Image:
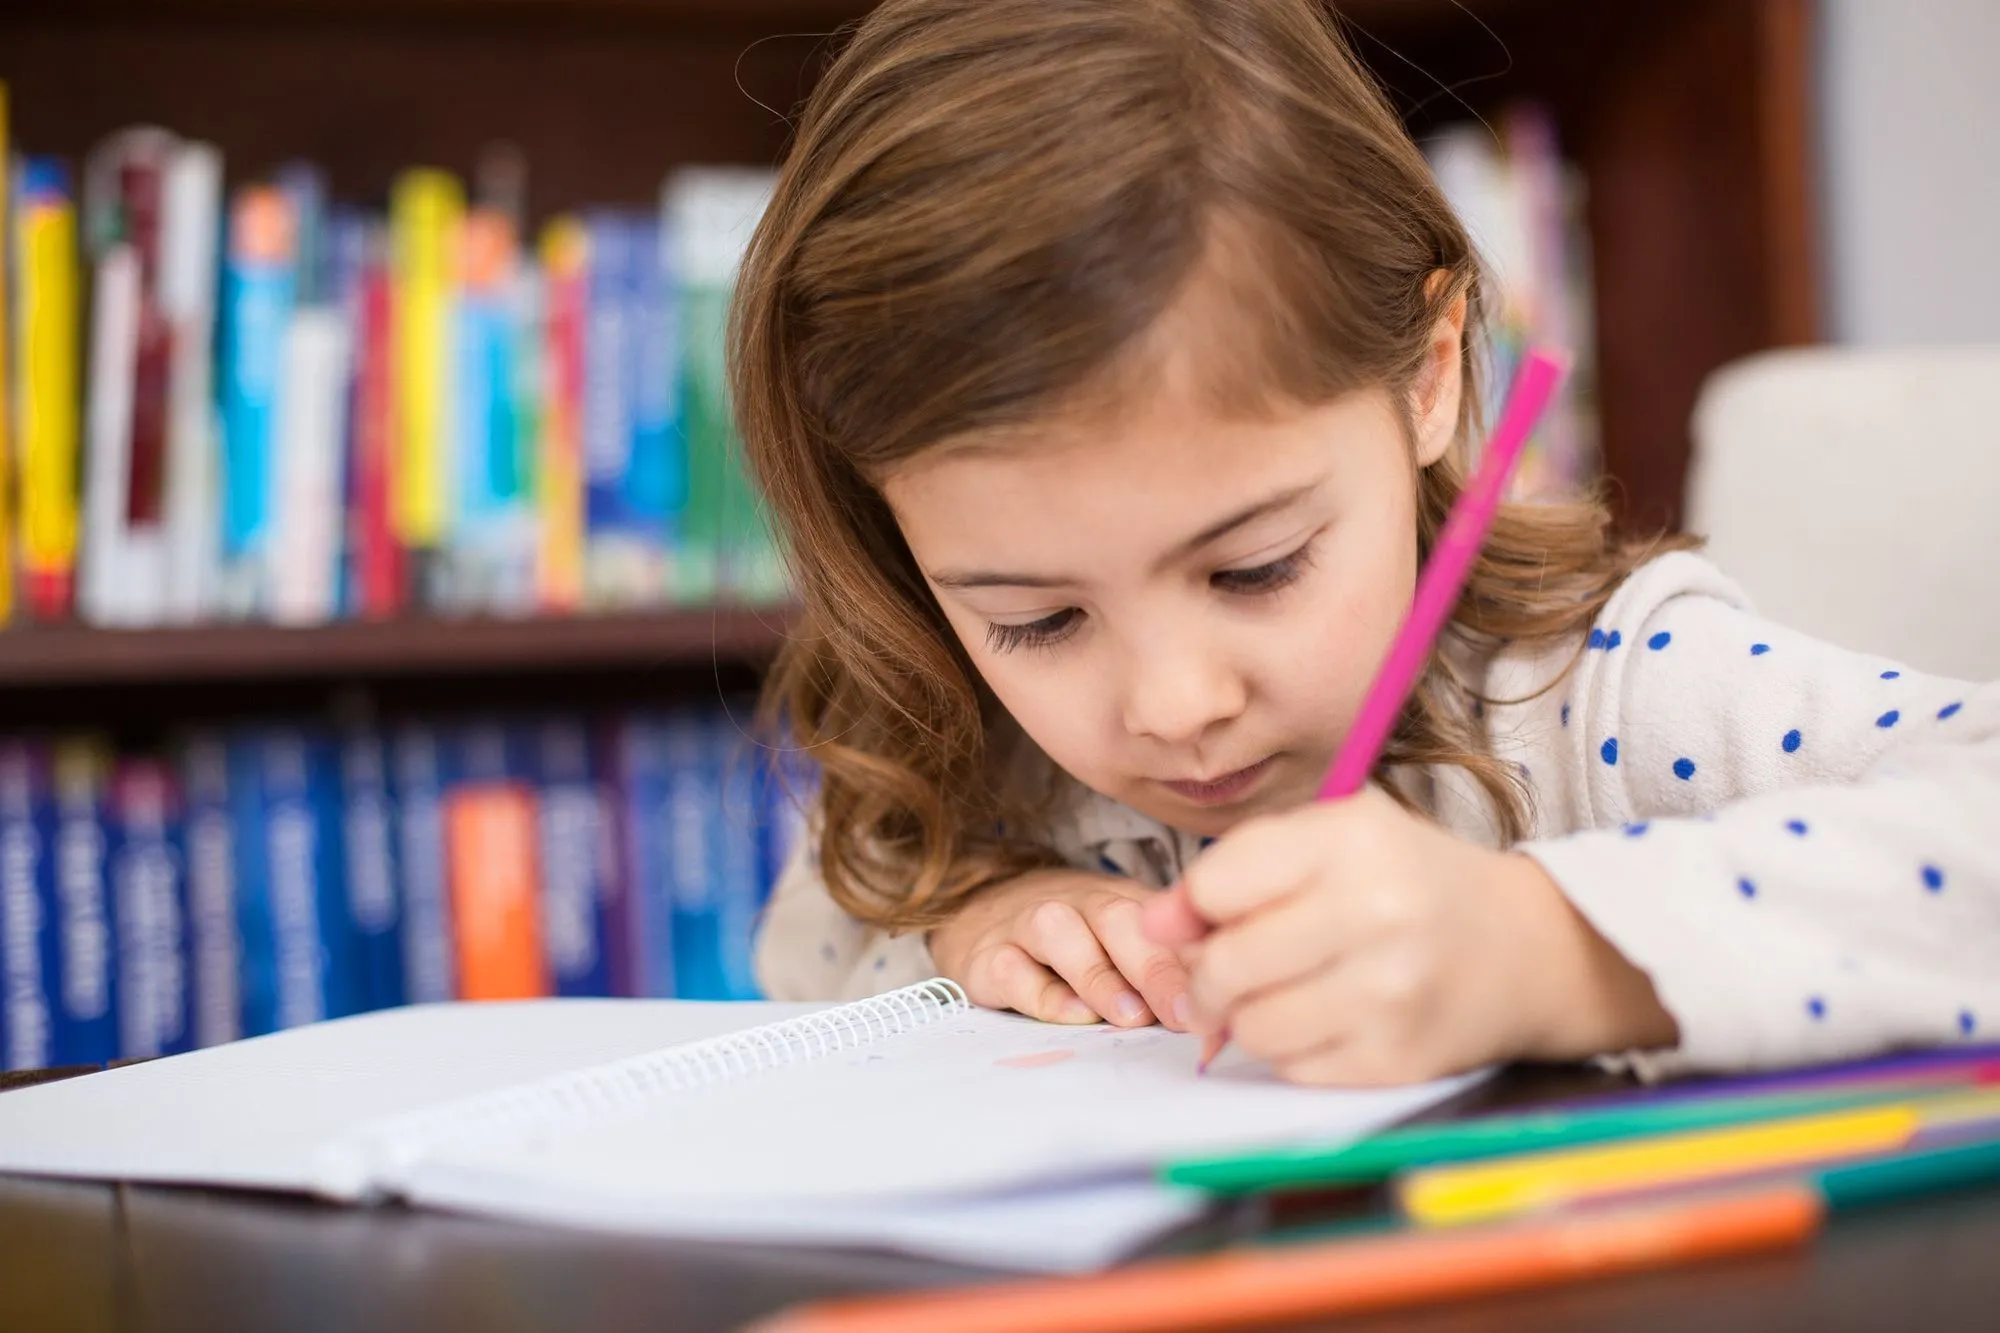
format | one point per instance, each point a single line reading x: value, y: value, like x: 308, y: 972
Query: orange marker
x: 1299, y: 1282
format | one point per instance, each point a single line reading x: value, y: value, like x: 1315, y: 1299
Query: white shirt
x: 1798, y: 844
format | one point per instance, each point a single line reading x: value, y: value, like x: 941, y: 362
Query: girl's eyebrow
x: 984, y: 578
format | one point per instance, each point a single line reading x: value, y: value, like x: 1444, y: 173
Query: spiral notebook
x: 913, y: 1119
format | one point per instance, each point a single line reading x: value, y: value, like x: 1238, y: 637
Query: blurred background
x: 368, y: 461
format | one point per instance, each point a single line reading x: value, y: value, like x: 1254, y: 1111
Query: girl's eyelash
x: 1266, y: 577
x: 1044, y: 633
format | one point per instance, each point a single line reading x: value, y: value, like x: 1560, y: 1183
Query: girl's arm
x: 1798, y: 844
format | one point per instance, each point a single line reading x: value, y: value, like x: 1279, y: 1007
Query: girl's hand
x: 1063, y: 946
x: 1355, y: 943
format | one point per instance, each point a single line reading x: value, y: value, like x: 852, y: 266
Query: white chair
x: 1856, y: 496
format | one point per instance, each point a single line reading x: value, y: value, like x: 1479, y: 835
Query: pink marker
x: 1172, y: 916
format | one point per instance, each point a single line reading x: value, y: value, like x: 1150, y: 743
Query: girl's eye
x: 1264, y: 578
x: 1043, y: 633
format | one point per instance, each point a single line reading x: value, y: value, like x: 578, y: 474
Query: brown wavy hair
x: 986, y: 203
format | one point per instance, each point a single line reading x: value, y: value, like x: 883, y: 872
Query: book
x: 492, y: 548
x: 307, y: 486
x: 648, y: 840
x: 214, y: 940
x: 149, y: 911
x: 46, y: 347
x: 7, y: 387
x: 104, y: 579
x: 379, y: 579
x: 559, y: 457
x: 492, y: 867
x: 258, y: 297
x: 578, y: 879
x: 417, y: 782
x: 425, y: 210
x: 740, y: 886
x: 367, y: 818
x: 28, y: 956
x: 683, y: 1118
x: 190, y: 228
x: 86, y: 1028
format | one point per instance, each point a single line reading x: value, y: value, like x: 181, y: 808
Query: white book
x: 103, y: 575
x: 912, y: 1119
x: 308, y: 506
x: 190, y: 236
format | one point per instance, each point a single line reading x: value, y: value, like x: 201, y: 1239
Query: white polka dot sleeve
x: 1796, y: 842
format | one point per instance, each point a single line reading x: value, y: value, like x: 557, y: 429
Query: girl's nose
x: 1175, y: 692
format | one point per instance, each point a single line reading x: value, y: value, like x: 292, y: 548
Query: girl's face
x: 1184, y: 610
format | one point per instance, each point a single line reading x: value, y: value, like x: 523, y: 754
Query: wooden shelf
x: 68, y: 656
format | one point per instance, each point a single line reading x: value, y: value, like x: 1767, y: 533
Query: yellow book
x: 425, y: 212
x: 47, y: 348
x: 6, y: 378
x: 1506, y: 1187
x: 559, y: 470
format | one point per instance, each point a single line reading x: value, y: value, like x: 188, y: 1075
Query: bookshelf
x: 1689, y: 118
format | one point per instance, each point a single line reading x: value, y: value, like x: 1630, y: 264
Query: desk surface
x: 98, y: 1258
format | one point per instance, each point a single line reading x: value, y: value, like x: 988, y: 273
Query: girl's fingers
x: 1170, y: 918
x: 1007, y: 978
x: 1056, y: 934
x: 1161, y: 979
x: 1288, y: 1023
x: 1265, y: 951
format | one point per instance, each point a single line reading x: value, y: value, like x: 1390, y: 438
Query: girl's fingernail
x: 1181, y: 1011
x: 1076, y: 1011
x: 1129, y: 1008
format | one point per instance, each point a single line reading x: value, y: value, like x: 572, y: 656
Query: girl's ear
x: 1434, y: 399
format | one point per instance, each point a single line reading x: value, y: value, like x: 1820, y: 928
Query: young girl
x: 1108, y: 366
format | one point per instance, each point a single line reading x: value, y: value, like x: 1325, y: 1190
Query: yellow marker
x: 425, y: 211
x: 46, y: 344
x: 1504, y: 1187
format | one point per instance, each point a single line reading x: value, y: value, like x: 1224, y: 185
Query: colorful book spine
x: 382, y: 583
x: 350, y: 243
x: 258, y: 301
x: 215, y: 941
x: 143, y: 173
x: 425, y: 210
x: 430, y: 971
x: 86, y: 1013
x: 575, y: 857
x: 368, y: 832
x: 490, y: 518
x: 648, y: 842
x: 46, y: 343
x: 786, y: 783
x: 7, y: 386
x: 559, y: 476
x: 104, y: 580
x: 311, y: 425
x: 29, y: 961
x: 736, y: 897
x: 148, y: 894
x: 191, y: 520
x: 492, y: 859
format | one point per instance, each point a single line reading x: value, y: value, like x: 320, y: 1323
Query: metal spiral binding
x: 377, y: 1154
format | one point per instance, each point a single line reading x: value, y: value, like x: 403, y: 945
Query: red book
x: 381, y: 581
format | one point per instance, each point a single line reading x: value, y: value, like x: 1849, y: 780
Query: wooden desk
x: 99, y: 1258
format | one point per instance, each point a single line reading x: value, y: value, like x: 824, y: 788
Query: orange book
x: 492, y: 868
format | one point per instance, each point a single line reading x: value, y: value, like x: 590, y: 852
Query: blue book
x: 735, y: 897
x: 86, y: 1007
x: 298, y: 947
x: 209, y: 832
x: 416, y: 764
x: 646, y: 836
x: 351, y: 237
x: 787, y: 782
x: 692, y: 820
x: 578, y: 877
x: 368, y: 842
x: 28, y: 962
x: 258, y: 291
x: 149, y: 912
x: 656, y: 472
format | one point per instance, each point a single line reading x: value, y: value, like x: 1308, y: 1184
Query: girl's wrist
x: 1586, y: 998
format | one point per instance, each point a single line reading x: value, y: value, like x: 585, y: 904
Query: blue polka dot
x: 1596, y: 639
x: 1608, y: 751
x: 1889, y: 719
x: 1891, y: 675
x: 1933, y: 879
x: 1683, y: 768
x: 828, y: 952
x: 1967, y: 1024
x: 1816, y: 1007
x: 1949, y: 710
x: 1759, y: 649
x: 1107, y: 865
x: 1207, y: 842
x: 1659, y: 641
x: 1637, y: 830
x: 1565, y: 713
x: 1796, y: 827
x: 881, y: 963
x: 1613, y: 640
x: 1793, y: 741
x: 1746, y: 887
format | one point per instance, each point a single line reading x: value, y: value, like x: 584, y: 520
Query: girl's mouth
x: 1221, y: 790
